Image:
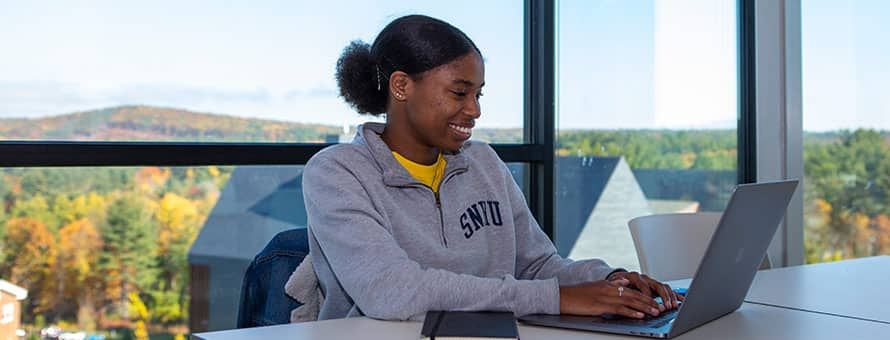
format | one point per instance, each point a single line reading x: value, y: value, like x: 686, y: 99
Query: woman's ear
x: 400, y: 85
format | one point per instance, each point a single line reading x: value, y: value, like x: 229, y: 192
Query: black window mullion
x: 540, y: 98
x: 747, y: 105
x: 59, y: 154
x: 53, y: 154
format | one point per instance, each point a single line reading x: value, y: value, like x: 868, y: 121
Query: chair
x: 670, y: 246
x: 263, y: 300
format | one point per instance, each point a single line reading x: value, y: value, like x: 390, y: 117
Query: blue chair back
x: 263, y: 300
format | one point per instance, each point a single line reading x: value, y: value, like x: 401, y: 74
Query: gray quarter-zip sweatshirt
x: 385, y: 246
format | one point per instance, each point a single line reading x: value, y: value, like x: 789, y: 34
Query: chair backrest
x: 263, y: 300
x: 670, y: 246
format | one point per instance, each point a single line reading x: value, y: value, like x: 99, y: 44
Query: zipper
x: 441, y: 217
x: 439, y: 202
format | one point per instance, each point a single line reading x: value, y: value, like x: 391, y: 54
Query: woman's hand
x: 649, y: 287
x: 606, y: 297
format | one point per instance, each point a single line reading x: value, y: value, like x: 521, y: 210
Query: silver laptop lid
x: 735, y: 252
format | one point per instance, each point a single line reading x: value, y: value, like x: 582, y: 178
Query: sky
x: 621, y: 64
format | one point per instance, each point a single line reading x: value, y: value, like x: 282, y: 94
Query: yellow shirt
x: 429, y: 175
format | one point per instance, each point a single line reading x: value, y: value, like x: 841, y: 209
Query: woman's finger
x: 640, y: 283
x: 666, y: 294
x: 644, y: 299
x: 622, y: 310
x: 621, y: 282
x: 638, y: 301
x: 661, y: 290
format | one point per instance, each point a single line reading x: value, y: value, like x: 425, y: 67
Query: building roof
x: 257, y: 203
x: 580, y: 185
x: 602, y: 196
x: 19, y: 292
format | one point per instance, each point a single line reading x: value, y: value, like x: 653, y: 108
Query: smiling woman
x: 412, y: 216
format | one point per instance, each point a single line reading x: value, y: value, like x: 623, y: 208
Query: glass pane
x: 115, y: 251
x: 209, y: 71
x: 846, y: 122
x: 647, y: 107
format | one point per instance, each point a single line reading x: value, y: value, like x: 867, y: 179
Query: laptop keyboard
x: 649, y: 321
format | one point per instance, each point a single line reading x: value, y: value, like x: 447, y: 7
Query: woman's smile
x: 462, y: 132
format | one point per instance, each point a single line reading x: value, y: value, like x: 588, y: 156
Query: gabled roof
x: 19, y: 292
x: 257, y: 203
x: 578, y: 190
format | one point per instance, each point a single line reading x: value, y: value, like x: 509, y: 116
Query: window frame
x: 537, y: 150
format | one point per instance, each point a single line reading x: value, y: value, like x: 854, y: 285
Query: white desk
x: 858, y: 288
x: 751, y: 321
x: 783, y: 302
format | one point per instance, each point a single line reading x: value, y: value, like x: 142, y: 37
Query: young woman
x: 412, y: 216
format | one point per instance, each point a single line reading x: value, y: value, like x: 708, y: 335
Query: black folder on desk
x: 469, y: 325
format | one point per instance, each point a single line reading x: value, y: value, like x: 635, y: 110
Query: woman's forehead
x: 468, y: 71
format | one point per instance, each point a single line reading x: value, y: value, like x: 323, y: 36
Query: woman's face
x: 444, y: 102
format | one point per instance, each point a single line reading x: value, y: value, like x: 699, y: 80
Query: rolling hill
x: 151, y: 123
x: 133, y: 123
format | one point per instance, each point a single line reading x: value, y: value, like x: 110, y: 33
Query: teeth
x: 462, y: 129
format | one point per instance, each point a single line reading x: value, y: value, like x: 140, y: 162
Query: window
x: 846, y: 122
x: 212, y: 72
x: 647, y: 106
x: 8, y: 313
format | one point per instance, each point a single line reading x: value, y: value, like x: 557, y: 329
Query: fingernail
x: 654, y: 311
x: 661, y: 308
x: 639, y: 315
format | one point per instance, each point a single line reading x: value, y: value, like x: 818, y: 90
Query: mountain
x: 151, y: 123
x: 133, y: 123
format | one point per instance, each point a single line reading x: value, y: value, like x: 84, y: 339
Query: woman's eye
x: 459, y: 94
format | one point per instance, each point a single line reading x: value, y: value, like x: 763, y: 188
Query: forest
x: 104, y: 248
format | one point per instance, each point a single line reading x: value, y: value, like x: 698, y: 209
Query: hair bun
x: 357, y: 79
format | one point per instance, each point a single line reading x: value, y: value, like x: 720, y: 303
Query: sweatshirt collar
x: 394, y: 174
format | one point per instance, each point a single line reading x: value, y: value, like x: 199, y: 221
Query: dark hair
x: 412, y: 44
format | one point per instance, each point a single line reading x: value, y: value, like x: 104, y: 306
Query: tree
x: 64, y: 210
x: 79, y: 247
x: 882, y: 226
x: 178, y: 220
x: 5, y: 196
x: 138, y: 313
x: 128, y: 239
x: 36, y: 208
x: 851, y: 173
x: 655, y: 149
x: 30, y: 255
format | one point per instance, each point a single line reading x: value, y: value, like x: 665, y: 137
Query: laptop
x: 723, y: 277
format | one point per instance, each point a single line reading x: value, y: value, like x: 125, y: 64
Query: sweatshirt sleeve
x: 536, y: 255
x: 378, y: 274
